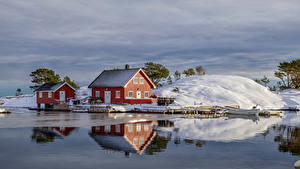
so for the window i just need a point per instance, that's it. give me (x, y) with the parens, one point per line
(117, 94)
(138, 127)
(135, 140)
(146, 127)
(146, 94)
(136, 80)
(141, 140)
(98, 94)
(107, 128)
(40, 94)
(118, 128)
(130, 127)
(130, 94)
(98, 128)
(141, 80)
(49, 94)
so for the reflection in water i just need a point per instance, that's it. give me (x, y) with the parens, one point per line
(42, 135)
(288, 138)
(130, 137)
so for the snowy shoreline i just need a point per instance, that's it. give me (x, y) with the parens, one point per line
(209, 90)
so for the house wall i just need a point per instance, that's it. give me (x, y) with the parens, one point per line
(138, 87)
(44, 99)
(69, 93)
(113, 90)
(100, 130)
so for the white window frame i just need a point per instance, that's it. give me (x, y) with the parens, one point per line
(49, 95)
(118, 94)
(145, 94)
(138, 127)
(97, 128)
(142, 140)
(118, 128)
(142, 80)
(97, 94)
(129, 94)
(40, 95)
(146, 127)
(136, 141)
(136, 80)
(130, 128)
(107, 128)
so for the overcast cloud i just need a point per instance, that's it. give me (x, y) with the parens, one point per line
(80, 38)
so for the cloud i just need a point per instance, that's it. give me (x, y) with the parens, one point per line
(81, 38)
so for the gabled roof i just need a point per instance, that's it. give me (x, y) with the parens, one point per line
(53, 86)
(116, 78)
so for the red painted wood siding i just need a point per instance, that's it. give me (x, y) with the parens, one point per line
(138, 87)
(113, 90)
(69, 93)
(44, 99)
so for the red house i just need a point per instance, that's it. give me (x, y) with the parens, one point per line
(130, 138)
(121, 86)
(50, 94)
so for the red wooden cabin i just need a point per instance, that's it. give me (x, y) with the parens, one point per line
(54, 93)
(122, 86)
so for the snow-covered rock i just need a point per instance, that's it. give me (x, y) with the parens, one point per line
(221, 90)
(291, 98)
(83, 92)
(20, 101)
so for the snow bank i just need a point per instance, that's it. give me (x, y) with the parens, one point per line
(83, 92)
(291, 98)
(221, 90)
(21, 101)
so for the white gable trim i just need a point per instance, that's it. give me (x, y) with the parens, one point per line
(63, 85)
(140, 69)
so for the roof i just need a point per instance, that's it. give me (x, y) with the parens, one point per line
(52, 86)
(114, 78)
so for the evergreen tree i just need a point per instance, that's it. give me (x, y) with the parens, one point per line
(289, 74)
(18, 92)
(189, 72)
(265, 81)
(170, 80)
(43, 75)
(200, 70)
(72, 83)
(177, 75)
(156, 72)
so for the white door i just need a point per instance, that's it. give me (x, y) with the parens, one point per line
(62, 96)
(107, 97)
(138, 94)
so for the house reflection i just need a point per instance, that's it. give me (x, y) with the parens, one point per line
(42, 135)
(288, 139)
(129, 138)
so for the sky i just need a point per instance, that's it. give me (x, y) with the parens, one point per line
(80, 38)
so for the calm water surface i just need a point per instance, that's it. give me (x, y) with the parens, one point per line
(64, 140)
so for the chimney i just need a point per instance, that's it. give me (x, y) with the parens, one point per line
(127, 66)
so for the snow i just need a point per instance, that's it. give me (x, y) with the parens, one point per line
(221, 90)
(291, 98)
(20, 101)
(83, 92)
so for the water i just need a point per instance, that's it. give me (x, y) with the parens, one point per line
(66, 140)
